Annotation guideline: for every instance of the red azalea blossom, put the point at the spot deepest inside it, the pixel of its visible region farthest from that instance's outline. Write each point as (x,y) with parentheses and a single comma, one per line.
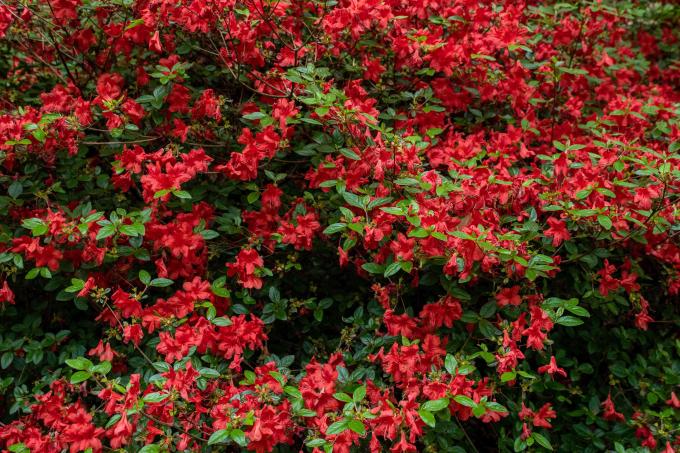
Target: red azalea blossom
(6,294)
(610,411)
(552,369)
(509,296)
(247,261)
(557,231)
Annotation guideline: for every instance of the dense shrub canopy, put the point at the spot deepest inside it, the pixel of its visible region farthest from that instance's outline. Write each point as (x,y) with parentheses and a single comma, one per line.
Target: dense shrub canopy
(339,225)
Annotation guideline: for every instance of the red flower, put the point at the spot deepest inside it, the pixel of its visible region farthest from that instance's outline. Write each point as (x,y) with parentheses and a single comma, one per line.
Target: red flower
(557,231)
(87,287)
(133,333)
(444,313)
(271,197)
(103,351)
(284,109)
(403,247)
(128,306)
(542,415)
(552,368)
(509,296)
(610,413)
(271,427)
(247,261)
(403,446)
(607,281)
(646,436)
(155,42)
(6,294)
(133,111)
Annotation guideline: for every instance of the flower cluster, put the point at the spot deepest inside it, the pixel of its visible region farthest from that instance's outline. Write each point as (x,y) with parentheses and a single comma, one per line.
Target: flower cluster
(358,225)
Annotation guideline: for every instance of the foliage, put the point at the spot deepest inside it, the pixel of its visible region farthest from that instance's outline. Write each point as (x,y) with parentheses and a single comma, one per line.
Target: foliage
(333,225)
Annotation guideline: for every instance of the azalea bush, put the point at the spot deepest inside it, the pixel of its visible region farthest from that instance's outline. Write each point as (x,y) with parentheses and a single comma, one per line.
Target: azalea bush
(339,226)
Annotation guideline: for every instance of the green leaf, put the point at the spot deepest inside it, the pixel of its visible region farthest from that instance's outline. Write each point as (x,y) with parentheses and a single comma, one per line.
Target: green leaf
(569,321)
(393,210)
(219,437)
(329,183)
(107,230)
(311,121)
(274,294)
(161,367)
(37,226)
(337,427)
(349,154)
(6,360)
(79,363)
(418,233)
(151,448)
(209,234)
(378,201)
(144,277)
(101,368)
(392,269)
(406,182)
(605,221)
(496,407)
(254,116)
(488,329)
(19,448)
(450,363)
(464,401)
(292,391)
(209,373)
(488,309)
(357,426)
(155,397)
(15,189)
(31,223)
(559,145)
(373,268)
(315,443)
(80,376)
(573,71)
(306,413)
(222,321)
(322,111)
(353,200)
(239,437)
(134,230)
(508,376)
(578,311)
(33,273)
(435,405)
(344,397)
(438,235)
(359,393)
(161,282)
(520,444)
(335,228)
(76,286)
(542,441)
(427,417)
(183,194)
